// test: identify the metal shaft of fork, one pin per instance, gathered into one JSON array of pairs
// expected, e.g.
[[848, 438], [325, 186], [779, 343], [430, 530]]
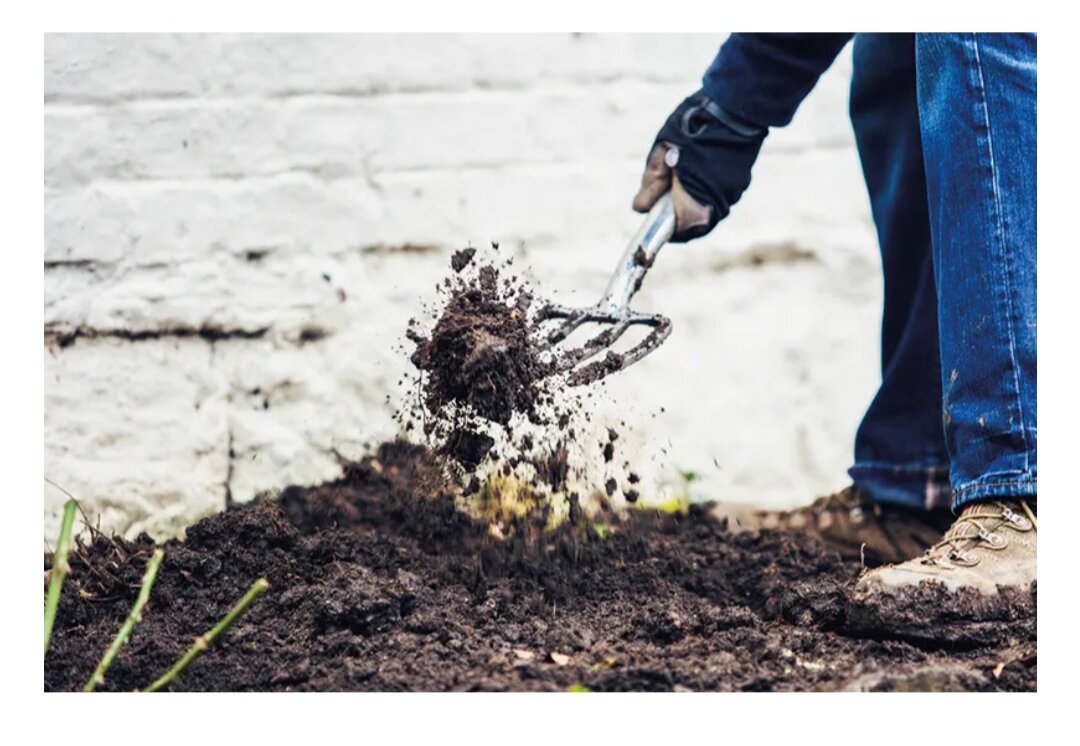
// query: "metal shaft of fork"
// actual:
[[655, 231]]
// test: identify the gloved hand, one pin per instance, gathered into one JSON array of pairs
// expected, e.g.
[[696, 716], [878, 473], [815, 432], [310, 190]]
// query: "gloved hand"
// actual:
[[710, 152]]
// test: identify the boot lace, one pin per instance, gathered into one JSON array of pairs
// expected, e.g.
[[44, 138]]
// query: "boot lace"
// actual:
[[957, 542]]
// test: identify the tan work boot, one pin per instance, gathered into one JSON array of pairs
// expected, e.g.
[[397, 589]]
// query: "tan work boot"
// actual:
[[981, 573], [852, 524]]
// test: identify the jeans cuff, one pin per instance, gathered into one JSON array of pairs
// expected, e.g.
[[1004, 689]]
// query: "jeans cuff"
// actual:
[[995, 488], [920, 486]]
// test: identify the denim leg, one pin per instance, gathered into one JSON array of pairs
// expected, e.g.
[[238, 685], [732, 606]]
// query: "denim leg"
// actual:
[[977, 96], [900, 454]]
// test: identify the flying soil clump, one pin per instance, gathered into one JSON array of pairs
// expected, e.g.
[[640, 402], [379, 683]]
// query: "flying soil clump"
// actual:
[[487, 394], [481, 370], [481, 353]]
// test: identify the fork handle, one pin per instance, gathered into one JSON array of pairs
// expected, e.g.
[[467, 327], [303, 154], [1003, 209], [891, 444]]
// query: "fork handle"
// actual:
[[640, 253]]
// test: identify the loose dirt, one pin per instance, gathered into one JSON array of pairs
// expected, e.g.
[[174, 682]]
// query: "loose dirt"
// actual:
[[378, 582], [481, 353], [485, 386]]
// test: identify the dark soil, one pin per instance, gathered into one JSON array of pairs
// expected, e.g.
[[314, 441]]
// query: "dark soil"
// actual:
[[481, 353], [379, 583], [461, 258]]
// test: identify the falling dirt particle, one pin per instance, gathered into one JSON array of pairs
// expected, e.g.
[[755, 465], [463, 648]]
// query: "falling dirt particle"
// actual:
[[609, 451], [554, 468], [468, 447], [575, 508], [609, 486], [460, 260]]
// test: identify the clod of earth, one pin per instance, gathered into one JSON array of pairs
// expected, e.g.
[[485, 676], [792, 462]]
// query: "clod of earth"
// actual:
[[482, 378], [481, 354], [461, 259]]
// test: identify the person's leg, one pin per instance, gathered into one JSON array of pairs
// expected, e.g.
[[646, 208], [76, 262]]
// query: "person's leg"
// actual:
[[900, 454], [901, 464], [977, 115], [977, 100]]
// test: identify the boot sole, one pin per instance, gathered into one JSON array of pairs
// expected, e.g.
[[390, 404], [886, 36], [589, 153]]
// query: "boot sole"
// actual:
[[931, 614]]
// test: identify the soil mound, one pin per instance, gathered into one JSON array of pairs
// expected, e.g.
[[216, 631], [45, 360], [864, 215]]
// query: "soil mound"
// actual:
[[378, 582]]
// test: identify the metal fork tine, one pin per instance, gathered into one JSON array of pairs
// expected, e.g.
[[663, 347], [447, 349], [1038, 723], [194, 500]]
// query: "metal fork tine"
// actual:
[[613, 310], [565, 329], [617, 361], [601, 341]]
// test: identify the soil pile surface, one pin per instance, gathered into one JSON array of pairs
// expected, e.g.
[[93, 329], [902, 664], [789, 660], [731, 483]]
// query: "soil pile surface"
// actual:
[[379, 583]]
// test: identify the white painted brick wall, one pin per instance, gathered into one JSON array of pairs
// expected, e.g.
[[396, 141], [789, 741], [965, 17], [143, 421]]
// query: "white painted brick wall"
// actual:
[[262, 185]]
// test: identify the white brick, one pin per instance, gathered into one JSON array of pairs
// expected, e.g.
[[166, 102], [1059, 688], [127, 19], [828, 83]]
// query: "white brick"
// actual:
[[350, 137], [137, 432], [190, 240], [110, 67]]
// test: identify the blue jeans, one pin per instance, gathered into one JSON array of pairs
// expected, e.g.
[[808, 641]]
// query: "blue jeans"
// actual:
[[945, 127]]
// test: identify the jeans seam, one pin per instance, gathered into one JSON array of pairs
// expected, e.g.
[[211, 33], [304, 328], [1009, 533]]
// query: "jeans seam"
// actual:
[[975, 486], [909, 468], [1006, 268]]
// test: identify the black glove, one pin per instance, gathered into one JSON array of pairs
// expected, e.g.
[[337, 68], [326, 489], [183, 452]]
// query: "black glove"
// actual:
[[711, 153]]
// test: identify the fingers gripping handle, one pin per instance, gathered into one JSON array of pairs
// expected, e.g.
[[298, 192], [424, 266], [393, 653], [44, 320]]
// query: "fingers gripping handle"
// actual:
[[655, 231]]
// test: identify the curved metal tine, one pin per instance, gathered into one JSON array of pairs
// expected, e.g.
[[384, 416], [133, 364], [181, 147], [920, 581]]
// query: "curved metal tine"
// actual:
[[564, 330], [598, 369], [602, 341], [575, 317], [571, 319], [661, 329], [556, 311]]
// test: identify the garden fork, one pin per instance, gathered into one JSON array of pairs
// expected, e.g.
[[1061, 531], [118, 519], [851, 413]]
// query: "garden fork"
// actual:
[[613, 311]]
